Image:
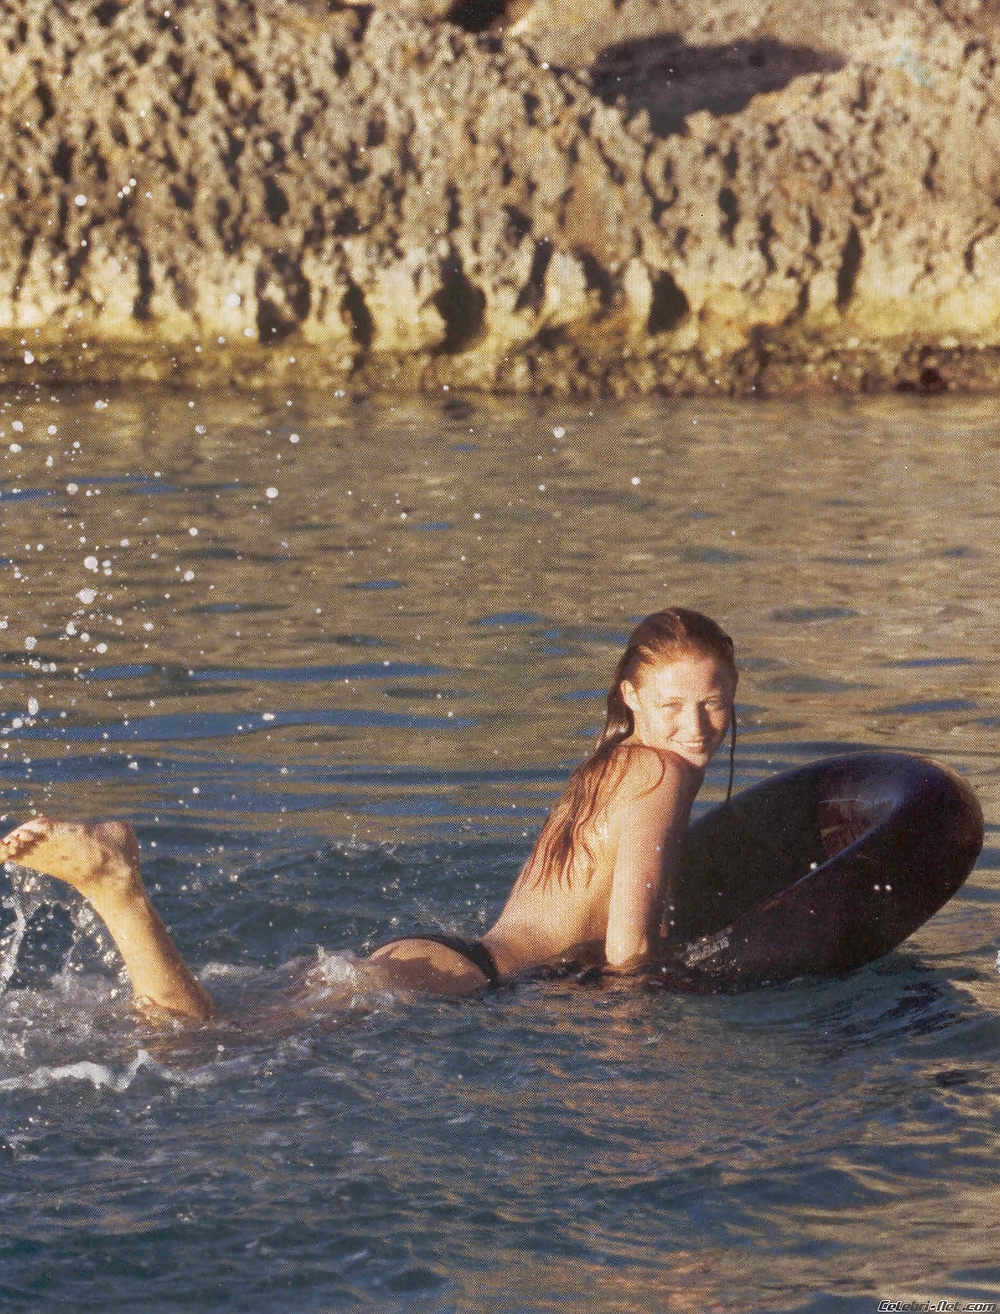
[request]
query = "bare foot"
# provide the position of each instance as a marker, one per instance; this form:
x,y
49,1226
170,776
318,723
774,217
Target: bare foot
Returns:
x,y
96,860
102,863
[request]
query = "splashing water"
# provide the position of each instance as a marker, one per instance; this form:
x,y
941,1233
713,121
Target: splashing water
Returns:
x,y
24,901
31,891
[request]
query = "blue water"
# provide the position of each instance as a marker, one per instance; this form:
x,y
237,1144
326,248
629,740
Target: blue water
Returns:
x,y
315,761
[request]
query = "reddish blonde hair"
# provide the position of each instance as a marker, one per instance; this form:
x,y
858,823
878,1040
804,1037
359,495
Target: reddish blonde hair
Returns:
x,y
665,636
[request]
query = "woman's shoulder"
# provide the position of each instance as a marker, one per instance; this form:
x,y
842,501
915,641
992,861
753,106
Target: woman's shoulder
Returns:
x,y
644,768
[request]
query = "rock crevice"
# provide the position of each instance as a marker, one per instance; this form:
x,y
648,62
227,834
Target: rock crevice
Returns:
x,y
542,198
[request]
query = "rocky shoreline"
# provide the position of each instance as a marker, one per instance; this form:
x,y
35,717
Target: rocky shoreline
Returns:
x,y
659,197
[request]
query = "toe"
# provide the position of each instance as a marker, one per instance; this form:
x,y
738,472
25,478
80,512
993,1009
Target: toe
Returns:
x,y
29,832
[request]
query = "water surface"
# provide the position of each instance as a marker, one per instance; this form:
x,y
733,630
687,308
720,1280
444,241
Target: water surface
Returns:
x,y
334,657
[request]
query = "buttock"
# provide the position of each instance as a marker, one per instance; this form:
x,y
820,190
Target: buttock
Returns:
x,y
473,951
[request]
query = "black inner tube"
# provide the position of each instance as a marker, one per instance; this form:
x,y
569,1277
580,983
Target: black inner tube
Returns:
x,y
819,870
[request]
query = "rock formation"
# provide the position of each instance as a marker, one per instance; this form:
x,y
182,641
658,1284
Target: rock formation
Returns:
x,y
660,196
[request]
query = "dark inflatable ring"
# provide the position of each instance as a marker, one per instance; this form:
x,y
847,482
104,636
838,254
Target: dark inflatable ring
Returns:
x,y
818,871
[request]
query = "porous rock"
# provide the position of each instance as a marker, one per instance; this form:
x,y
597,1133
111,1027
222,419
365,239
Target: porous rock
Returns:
x,y
218,190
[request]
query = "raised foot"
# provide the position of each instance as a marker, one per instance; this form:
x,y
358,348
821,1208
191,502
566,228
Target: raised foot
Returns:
x,y
97,860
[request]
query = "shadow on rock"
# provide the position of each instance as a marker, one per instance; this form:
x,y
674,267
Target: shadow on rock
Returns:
x,y
672,80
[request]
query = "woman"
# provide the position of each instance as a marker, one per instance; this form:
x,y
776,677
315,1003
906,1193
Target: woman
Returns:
x,y
598,880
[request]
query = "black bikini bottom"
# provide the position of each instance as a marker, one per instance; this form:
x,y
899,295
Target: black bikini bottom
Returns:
x,y
473,951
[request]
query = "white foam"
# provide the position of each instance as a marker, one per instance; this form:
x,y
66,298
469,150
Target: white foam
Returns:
x,y
215,971
340,980
334,969
100,1075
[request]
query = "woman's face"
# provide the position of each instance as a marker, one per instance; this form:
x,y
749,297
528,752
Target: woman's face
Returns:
x,y
683,706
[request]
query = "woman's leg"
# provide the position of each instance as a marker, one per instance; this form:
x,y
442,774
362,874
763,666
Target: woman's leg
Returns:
x,y
102,863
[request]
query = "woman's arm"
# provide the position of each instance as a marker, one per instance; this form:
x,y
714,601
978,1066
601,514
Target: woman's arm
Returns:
x,y
653,813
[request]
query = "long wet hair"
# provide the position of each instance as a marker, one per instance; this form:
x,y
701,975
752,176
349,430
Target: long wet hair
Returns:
x,y
664,637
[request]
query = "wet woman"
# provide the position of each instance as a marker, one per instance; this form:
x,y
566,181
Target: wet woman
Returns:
x,y
598,882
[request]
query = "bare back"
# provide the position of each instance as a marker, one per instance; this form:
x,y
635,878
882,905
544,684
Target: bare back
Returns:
x,y
620,874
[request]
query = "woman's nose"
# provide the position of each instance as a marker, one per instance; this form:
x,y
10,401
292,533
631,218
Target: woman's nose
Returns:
x,y
694,721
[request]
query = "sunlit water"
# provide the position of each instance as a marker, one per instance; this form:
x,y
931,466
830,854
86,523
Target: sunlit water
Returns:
x,y
333,658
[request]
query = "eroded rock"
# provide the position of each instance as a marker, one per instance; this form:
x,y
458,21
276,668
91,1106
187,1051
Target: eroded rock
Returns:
x,y
245,189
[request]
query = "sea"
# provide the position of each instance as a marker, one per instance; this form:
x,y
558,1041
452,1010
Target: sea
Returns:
x,y
333,656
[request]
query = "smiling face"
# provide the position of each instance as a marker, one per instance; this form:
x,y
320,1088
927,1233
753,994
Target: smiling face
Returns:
x,y
683,706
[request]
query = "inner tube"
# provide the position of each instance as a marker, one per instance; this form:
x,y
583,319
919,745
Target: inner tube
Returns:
x,y
818,871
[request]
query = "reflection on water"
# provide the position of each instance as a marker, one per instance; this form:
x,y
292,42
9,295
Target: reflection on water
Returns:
x,y
335,658
307,586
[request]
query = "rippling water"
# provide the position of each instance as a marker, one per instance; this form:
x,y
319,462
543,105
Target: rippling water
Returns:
x,y
334,657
